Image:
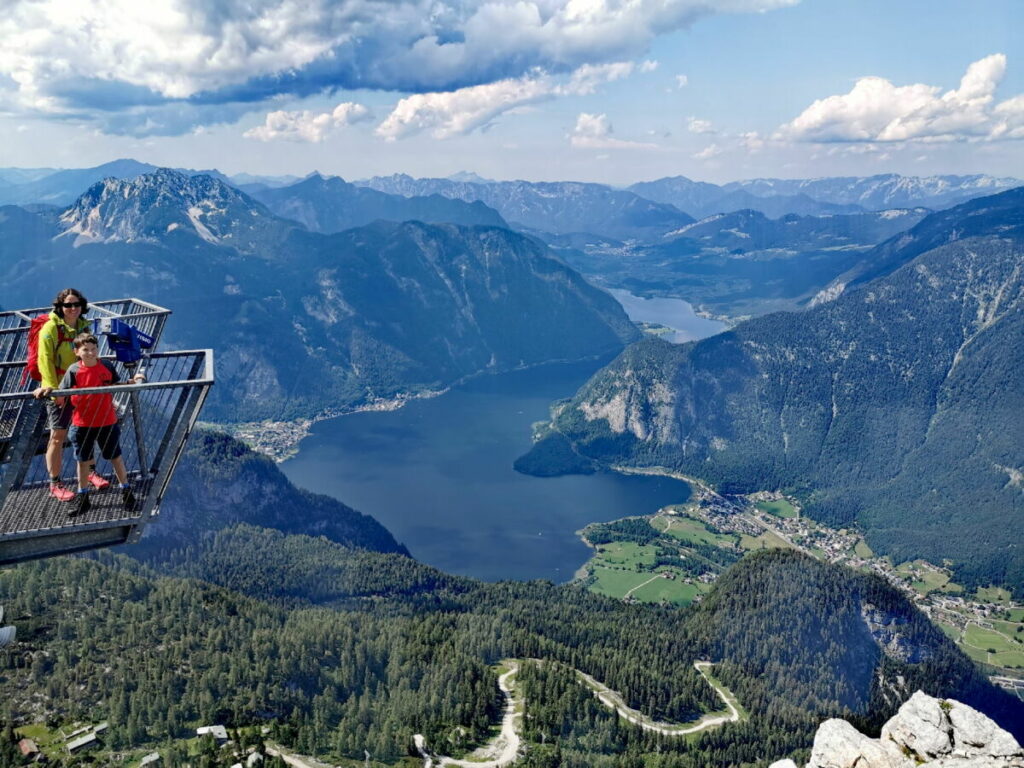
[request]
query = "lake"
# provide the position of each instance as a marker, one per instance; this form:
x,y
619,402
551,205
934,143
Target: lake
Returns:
x,y
438,474
672,313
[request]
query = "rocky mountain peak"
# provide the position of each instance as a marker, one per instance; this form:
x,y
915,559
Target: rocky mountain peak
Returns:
x,y
925,733
154,205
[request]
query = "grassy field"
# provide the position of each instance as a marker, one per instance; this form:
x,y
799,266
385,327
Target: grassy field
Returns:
x,y
615,583
626,554
779,508
1016,614
992,647
993,595
688,530
672,591
766,540
863,550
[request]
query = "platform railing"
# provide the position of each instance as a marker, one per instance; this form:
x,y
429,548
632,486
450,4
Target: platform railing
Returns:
x,y
156,418
144,316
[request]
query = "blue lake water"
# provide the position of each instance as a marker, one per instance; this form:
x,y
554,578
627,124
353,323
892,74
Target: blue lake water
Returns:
x,y
438,474
672,313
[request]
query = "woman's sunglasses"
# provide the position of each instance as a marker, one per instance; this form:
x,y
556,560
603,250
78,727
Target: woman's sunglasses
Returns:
x,y
71,304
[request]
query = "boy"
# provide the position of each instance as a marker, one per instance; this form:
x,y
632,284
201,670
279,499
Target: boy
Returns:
x,y
94,421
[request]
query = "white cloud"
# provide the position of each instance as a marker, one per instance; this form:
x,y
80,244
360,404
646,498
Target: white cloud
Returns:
x,y
476,107
464,110
696,125
682,81
709,152
586,79
595,132
306,125
648,66
90,60
875,110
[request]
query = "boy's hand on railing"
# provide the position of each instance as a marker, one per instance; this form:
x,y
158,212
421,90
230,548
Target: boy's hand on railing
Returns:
x,y
42,392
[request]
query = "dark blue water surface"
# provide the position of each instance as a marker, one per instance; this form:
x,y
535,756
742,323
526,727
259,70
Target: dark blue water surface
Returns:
x,y
438,474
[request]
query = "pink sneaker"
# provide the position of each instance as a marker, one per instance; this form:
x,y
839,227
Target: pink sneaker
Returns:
x,y
60,493
98,481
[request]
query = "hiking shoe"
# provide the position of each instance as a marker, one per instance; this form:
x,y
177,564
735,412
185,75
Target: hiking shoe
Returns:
x,y
81,506
130,504
99,482
60,493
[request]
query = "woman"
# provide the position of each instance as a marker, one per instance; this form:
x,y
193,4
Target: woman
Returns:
x,y
56,354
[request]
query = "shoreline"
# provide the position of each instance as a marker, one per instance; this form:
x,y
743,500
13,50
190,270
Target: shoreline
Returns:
x,y
280,440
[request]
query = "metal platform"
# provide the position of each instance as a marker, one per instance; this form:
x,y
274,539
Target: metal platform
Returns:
x,y
156,419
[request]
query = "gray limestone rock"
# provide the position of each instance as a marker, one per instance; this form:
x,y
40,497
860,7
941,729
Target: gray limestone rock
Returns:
x,y
837,744
977,734
921,726
925,733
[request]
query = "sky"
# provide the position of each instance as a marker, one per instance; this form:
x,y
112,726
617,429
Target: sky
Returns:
x,y
611,91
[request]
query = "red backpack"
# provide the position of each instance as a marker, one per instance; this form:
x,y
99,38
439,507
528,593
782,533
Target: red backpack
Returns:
x,y
32,365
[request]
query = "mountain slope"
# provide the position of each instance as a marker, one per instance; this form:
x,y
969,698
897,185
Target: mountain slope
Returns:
x,y
331,205
888,190
305,323
220,482
896,405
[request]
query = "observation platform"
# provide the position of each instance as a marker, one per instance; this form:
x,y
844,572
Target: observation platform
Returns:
x,y
145,317
156,418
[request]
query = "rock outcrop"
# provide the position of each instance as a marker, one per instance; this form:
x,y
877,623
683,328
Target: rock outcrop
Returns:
x,y
925,733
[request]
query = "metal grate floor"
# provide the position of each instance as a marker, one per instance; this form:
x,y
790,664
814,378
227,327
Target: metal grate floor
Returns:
x,y
33,511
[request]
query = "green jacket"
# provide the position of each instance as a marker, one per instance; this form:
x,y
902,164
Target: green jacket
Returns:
x,y
56,352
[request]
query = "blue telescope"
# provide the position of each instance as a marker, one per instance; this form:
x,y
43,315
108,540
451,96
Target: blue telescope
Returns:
x,y
127,341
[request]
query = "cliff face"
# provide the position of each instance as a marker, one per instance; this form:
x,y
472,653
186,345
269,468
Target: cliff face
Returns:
x,y
925,733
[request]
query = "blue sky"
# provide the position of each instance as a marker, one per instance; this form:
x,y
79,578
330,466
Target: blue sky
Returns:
x,y
614,91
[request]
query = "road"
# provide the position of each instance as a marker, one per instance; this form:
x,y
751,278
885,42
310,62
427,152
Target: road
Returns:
x,y
613,700
502,750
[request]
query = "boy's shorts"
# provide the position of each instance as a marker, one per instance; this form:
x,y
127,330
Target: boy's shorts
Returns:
x,y
58,416
107,438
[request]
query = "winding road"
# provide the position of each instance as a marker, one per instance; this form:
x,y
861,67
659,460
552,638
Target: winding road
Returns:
x,y
502,750
613,700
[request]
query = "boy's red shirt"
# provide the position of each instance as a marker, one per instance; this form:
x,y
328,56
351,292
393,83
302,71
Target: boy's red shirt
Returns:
x,y
91,410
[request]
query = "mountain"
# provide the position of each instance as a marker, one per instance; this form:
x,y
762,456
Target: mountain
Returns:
x,y
883,191
306,323
557,207
331,204
744,263
46,186
897,405
63,186
155,205
819,197
702,199
748,230
998,214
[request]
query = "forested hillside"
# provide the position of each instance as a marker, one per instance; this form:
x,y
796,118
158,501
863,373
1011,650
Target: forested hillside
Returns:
x,y
896,405
341,650
221,481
